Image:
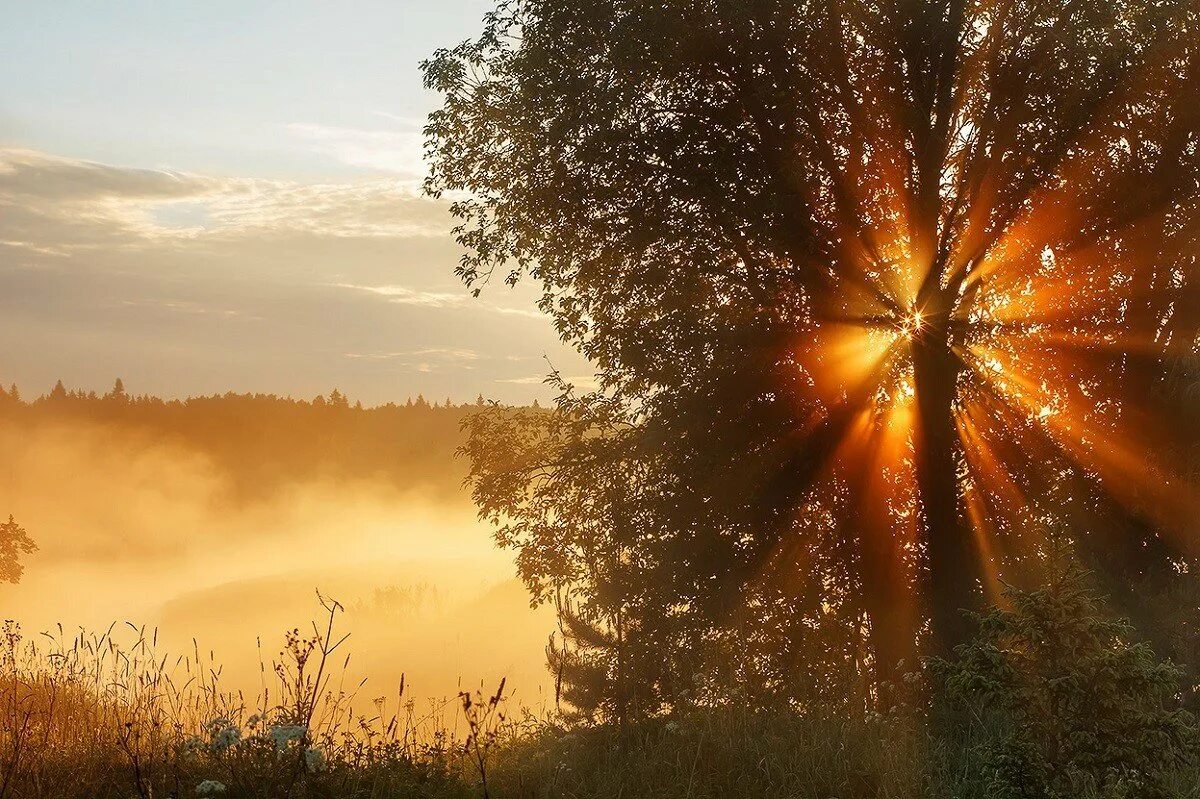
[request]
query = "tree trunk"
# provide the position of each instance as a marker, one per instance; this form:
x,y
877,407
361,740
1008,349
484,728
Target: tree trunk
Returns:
x,y
893,636
952,560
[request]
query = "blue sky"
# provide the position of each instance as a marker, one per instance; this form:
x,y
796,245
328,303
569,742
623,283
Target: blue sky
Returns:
x,y
208,196
217,86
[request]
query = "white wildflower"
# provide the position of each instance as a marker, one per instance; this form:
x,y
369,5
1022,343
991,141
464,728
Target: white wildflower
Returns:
x,y
226,738
314,758
210,788
223,734
283,734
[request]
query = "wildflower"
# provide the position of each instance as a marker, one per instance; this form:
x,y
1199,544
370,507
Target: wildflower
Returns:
x,y
283,734
210,788
314,758
223,733
672,727
226,738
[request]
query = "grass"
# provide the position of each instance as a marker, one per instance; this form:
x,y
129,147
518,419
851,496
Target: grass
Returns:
x,y
106,717
737,754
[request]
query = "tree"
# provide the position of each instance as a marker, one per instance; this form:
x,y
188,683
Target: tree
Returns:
x,y
118,392
880,268
604,663
14,542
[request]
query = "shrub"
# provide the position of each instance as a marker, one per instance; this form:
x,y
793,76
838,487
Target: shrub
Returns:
x,y
1077,706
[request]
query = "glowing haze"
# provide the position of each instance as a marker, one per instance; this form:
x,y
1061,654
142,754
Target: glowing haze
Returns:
x,y
201,198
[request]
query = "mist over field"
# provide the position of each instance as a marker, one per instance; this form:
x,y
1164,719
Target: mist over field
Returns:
x,y
136,525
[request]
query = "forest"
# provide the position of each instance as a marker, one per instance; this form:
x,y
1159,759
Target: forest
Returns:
x,y
262,441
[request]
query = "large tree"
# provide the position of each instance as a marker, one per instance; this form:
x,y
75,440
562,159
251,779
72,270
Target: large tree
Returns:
x,y
897,268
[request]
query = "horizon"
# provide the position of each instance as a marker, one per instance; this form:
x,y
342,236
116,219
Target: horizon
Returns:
x,y
90,392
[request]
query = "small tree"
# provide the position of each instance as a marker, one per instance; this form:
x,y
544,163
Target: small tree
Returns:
x,y
1078,704
338,400
14,542
118,392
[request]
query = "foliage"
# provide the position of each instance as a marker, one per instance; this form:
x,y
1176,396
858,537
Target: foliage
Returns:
x,y
606,664
101,718
866,285
573,492
263,441
730,753
14,542
1077,701
734,753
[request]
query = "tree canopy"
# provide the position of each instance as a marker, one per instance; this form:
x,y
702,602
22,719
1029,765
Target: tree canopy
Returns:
x,y
868,284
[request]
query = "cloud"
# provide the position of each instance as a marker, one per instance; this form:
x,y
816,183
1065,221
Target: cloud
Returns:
x,y
189,283
31,175
585,382
403,295
428,360
55,204
183,306
398,150
436,353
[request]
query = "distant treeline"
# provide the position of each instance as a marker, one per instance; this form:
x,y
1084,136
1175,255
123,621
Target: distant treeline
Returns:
x,y
262,441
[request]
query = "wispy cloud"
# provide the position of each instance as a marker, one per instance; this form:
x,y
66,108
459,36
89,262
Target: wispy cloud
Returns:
x,y
585,382
403,295
398,149
103,266
435,353
428,360
58,204
182,306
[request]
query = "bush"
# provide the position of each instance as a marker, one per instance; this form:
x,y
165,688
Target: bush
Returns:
x,y
1074,705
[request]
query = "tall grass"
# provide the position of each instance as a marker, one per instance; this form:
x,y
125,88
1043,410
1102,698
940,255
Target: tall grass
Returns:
x,y
107,716
734,753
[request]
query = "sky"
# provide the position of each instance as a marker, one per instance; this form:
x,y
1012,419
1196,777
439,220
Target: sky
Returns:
x,y
203,197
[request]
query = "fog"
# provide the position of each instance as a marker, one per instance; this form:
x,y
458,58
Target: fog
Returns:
x,y
132,529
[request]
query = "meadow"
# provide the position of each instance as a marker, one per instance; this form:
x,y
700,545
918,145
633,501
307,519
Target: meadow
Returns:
x,y
108,715
428,678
